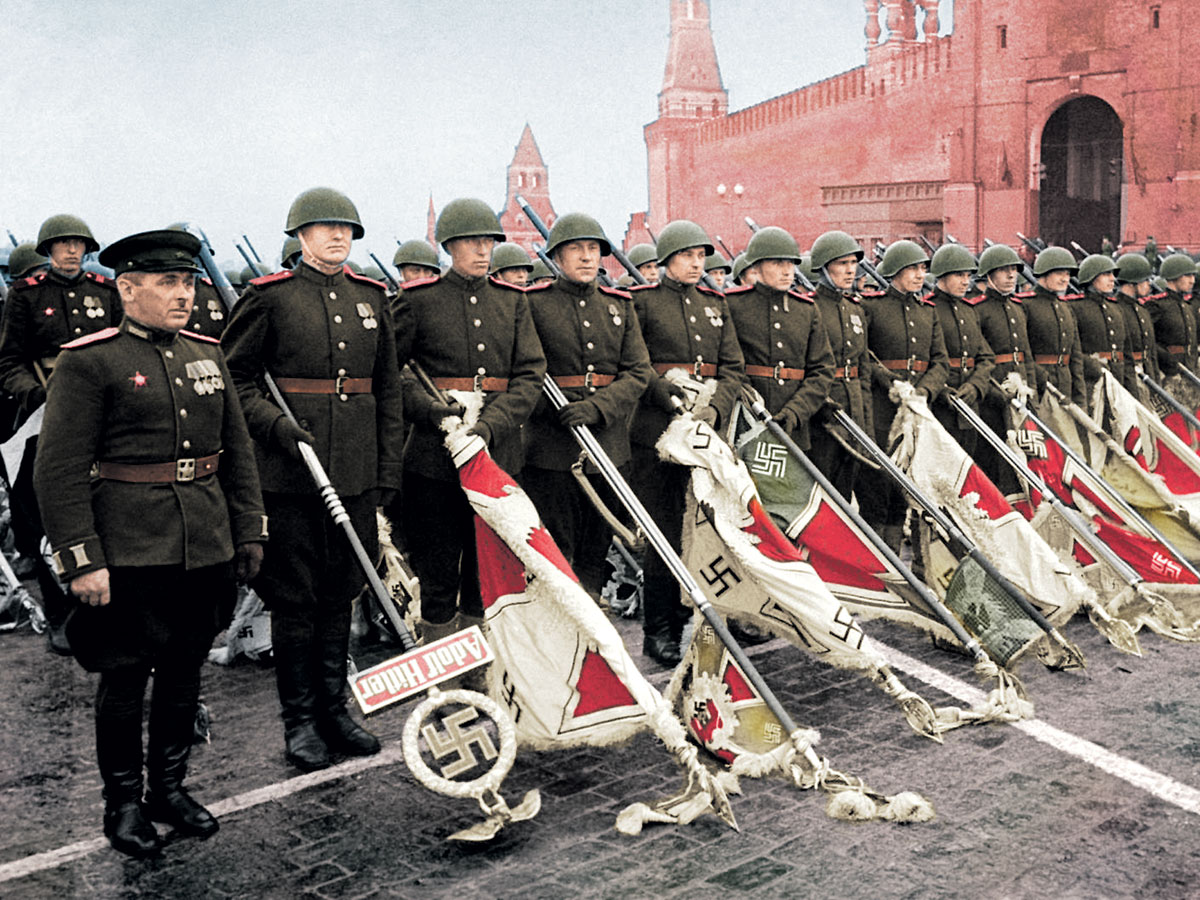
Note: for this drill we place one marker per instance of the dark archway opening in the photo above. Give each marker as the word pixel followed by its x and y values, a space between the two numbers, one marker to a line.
pixel 1082 156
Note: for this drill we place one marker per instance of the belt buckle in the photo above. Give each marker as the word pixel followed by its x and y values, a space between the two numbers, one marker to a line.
pixel 477 384
pixel 912 362
pixel 1061 359
pixel 587 379
pixel 185 469
pixel 778 369
pixel 696 368
pixel 339 383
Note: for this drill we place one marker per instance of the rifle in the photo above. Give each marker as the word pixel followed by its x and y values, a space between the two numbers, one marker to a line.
pixel 254 265
pixel 1078 249
pixel 1037 245
pixel 257 258
pixel 13 238
pixel 320 479
pixel 386 273
pixel 545 233
pixel 1189 375
pixel 929 244
pixel 728 252
pixel 1162 393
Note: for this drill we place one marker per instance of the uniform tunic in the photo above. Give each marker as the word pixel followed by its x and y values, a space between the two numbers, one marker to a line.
pixel 42 313
pixel 208 312
pixel 1139 340
pixel 971 363
pixel 1174 321
pixel 135 395
pixel 1003 321
pixel 684 326
pixel 1054 337
pixel 462 327
pixel 1101 331
pixel 782 330
pixel 585 330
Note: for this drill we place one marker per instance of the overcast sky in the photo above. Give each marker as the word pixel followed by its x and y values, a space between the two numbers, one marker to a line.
pixel 136 114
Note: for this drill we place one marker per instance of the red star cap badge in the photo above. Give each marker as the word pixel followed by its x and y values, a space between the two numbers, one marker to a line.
pixel 49 310
pixel 138 379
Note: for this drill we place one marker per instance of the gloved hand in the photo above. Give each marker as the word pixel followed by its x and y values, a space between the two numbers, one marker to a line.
pixel 286 436
pixel 581 412
pixel 248 560
pixel 35 398
pixel 899 391
pixel 787 419
pixel 825 412
pixel 664 390
pixel 386 497
pixel 439 410
pixel 967 393
pixel 482 429
pixel 708 415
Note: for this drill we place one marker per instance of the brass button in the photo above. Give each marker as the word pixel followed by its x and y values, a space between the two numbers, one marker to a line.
pixel 341 345
pixel 337 320
pixel 479 346
pixel 169 354
pixel 183 413
pixel 179 381
pixel 333 295
pixel 474 300
pixel 187 445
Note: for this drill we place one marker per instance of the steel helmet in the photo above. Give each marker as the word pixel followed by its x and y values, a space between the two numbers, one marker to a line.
pixel 1053 258
pixel 640 254
pixel 467 217
pixel 716 262
pixel 739 265
pixel 1093 265
pixel 23 259
pixel 56 228
pixel 322 204
pixel 1133 268
pixel 1174 266
pixel 834 245
pixel 681 235
pixel 901 255
pixel 576 227
pixel 951 258
pixel 996 257
pixel 416 253
pixel 772 243
pixel 509 256
pixel 290 253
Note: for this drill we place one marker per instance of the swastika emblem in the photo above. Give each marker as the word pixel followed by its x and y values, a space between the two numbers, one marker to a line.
pixel 1031 443
pixel 720 572
pixel 769 460
pixel 1164 565
pixel 458 741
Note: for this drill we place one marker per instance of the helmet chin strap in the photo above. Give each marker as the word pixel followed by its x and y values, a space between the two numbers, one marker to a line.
pixel 992 285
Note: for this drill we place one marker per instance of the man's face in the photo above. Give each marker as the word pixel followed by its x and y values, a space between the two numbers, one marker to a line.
pixel 776 274
pixel 687 266
pixel 1143 288
pixel 328 243
pixel 718 277
pixel 910 279
pixel 161 300
pixel 410 272
pixel 517 275
pixel 66 254
pixel 955 283
pixel 841 271
pixel 471 257
pixel 649 271
pixel 1004 279
pixel 1183 284
pixel 1103 283
pixel 579 261
pixel 1056 280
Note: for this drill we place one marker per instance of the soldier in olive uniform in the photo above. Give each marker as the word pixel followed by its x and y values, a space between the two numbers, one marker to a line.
pixel 43 312
pixel 149 493
pixel 325 335
pixel 595 353
pixel 290 254
pixel 970 358
pixel 685 326
pixel 25 261
pixel 541 274
pixel 469 333
pixel 1174 315
pixel 717 268
pixel 511 263
pixel 1053 332
pixel 645 259
pixel 835 256
pixel 905 335
pixel 416 260
pixel 1102 332
pixel 1002 321
pixel 1133 291
pixel 784 345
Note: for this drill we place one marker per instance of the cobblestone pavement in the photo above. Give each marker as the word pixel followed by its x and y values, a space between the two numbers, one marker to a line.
pixel 1016 817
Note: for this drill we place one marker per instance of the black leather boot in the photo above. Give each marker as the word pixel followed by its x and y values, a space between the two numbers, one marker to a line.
pixel 119 754
pixel 172 727
pixel 340 732
pixel 291 644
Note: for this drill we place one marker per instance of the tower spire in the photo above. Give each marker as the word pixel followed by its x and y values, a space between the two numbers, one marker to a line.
pixel 692 86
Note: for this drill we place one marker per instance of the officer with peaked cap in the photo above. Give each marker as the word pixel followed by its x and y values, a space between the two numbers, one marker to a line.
pixel 472 333
pixel 685 326
pixel 151 502
pixel 43 312
pixel 595 352
pixel 326 336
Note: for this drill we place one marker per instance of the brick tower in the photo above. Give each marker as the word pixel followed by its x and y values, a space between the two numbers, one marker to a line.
pixel 529 177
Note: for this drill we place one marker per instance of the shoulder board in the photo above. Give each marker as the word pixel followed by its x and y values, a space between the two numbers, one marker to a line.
pixel 97 277
pixel 32 280
pixel 973 301
pixel 927 299
pixel 282 275
pixel 96 338
pixel 1021 296
pixel 501 283
pixel 1072 297
pixel 420 282
pixel 739 289
pixel 634 288
pixel 802 295
pixel 354 276
pixel 873 295
pixel 1149 297
pixel 199 337
pixel 707 290
pixel 612 291
pixel 531 288
pixel 207 281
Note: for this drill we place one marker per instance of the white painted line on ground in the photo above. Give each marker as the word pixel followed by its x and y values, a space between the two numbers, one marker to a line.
pixel 1161 786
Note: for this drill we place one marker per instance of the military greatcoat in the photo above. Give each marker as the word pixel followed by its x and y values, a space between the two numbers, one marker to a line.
pixel 1174 320
pixel 1054 339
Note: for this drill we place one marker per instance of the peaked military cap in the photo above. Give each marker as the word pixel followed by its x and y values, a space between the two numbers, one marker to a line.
pixel 153 251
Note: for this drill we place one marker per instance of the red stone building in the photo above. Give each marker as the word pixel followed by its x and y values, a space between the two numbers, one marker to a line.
pixel 1063 119
pixel 529 177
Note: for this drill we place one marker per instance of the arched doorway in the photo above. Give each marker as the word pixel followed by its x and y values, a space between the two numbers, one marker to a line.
pixel 1082 151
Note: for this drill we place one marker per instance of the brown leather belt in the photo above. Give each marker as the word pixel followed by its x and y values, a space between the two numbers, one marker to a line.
pixel 1018 356
pixel 339 385
pixel 1052 359
pixel 847 372
pixel 478 383
pixel 905 365
pixel 1118 355
pixel 591 379
pixel 1137 355
pixel 962 362
pixel 181 470
pixel 1176 349
pixel 700 370
pixel 782 372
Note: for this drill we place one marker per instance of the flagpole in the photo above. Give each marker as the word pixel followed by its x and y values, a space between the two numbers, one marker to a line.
pixel 1074 657
pixel 1163 395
